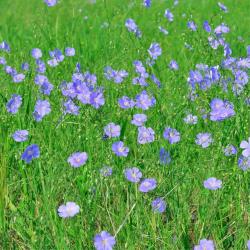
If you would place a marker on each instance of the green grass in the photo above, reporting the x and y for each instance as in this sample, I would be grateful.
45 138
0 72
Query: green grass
30 194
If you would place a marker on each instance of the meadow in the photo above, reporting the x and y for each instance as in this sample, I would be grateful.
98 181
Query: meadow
94 66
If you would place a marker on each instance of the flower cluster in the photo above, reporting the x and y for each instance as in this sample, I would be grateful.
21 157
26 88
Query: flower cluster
81 90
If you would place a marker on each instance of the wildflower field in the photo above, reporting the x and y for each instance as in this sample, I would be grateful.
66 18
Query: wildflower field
124 124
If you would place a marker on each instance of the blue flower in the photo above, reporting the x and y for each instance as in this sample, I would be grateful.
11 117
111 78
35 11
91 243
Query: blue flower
248 244
156 80
132 27
223 7
50 3
159 205
144 101
221 110
133 174
112 130
30 153
97 99
145 135
230 150
70 107
70 209
165 157
10 71
173 65
41 66
104 241
155 50
192 26
244 162
191 119
221 29
20 135
5 46
126 103
78 159
139 119
14 104
106 171
18 78
212 183
36 53
42 108
204 139
70 52
169 15
246 146
2 61
147 185
205 244
25 66
172 135
119 149
162 30
207 27
147 3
